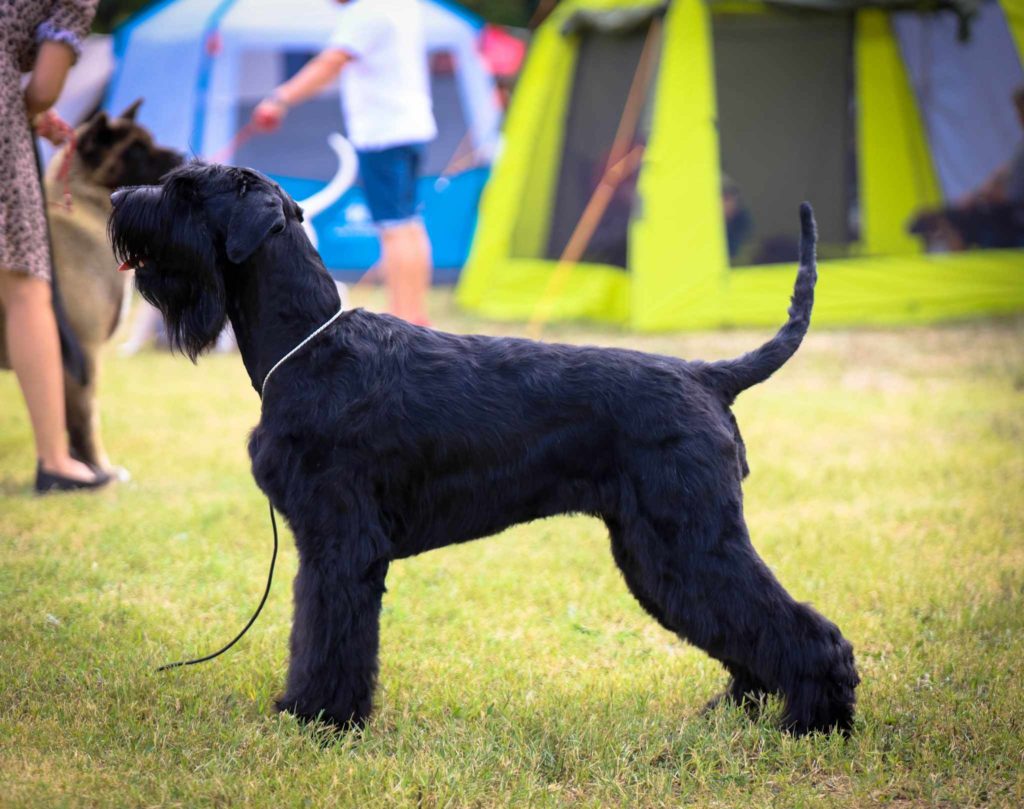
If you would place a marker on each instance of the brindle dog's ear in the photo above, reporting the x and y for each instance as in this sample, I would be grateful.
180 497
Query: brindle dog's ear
254 217
94 140
130 110
99 122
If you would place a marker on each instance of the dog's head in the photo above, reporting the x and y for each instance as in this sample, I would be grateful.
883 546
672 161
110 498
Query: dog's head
113 152
190 235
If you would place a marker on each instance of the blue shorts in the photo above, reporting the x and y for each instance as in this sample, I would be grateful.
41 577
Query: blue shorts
389 182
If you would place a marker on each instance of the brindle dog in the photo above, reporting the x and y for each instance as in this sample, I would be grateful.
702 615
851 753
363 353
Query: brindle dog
110 153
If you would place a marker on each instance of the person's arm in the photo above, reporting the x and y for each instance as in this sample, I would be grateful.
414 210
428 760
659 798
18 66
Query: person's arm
48 75
992 191
314 77
60 39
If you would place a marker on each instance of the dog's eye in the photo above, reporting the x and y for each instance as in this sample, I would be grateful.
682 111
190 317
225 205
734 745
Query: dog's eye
277 228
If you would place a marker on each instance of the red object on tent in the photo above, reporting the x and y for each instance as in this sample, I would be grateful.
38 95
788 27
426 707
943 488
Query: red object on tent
502 52
214 44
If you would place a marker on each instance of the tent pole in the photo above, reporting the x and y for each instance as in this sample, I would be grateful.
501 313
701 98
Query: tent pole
621 163
581 236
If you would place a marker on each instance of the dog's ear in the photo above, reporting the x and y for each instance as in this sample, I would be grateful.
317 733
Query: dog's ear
255 216
98 123
131 110
95 140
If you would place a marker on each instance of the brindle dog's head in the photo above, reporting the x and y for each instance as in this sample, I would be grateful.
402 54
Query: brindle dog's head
115 152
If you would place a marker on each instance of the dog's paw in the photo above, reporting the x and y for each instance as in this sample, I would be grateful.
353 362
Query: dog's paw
819 706
340 721
750 698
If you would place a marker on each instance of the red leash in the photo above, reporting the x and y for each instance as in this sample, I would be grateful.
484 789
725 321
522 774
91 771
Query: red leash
64 173
243 135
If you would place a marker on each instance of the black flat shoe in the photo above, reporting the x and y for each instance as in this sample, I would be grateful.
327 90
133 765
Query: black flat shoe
50 482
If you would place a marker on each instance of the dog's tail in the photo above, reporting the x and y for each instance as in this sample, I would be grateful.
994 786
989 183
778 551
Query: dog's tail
731 377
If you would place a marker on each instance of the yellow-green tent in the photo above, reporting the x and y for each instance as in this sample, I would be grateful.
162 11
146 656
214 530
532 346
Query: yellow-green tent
823 104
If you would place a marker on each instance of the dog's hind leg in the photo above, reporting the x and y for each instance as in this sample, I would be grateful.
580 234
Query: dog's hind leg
712 589
338 590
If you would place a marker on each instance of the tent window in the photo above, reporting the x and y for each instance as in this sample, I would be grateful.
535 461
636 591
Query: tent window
964 91
300 149
784 88
605 66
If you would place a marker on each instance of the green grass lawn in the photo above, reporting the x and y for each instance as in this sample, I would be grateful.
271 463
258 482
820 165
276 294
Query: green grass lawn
887 487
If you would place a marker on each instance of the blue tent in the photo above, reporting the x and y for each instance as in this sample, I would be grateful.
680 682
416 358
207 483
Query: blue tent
202 65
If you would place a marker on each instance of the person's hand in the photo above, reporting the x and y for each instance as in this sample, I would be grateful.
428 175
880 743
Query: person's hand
51 126
268 115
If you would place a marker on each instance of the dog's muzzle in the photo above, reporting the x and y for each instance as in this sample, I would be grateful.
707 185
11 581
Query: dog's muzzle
116 198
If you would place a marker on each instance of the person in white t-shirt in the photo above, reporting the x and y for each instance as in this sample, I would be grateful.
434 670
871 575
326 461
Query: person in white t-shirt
378 49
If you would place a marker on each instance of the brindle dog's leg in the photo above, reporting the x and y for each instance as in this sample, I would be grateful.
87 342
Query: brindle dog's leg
83 417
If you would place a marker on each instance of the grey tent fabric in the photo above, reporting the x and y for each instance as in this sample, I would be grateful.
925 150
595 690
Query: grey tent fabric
964 91
785 126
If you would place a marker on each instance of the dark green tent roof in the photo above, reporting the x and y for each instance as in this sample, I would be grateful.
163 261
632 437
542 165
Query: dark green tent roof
964 9
625 19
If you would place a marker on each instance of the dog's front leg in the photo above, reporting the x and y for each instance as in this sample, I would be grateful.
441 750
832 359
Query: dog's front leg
334 641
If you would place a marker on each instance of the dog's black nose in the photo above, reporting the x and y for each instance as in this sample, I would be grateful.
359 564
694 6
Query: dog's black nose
117 195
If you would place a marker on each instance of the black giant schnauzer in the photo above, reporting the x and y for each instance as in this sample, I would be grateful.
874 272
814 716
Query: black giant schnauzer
380 440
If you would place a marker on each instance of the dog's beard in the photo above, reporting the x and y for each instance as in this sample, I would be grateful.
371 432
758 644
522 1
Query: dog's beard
169 245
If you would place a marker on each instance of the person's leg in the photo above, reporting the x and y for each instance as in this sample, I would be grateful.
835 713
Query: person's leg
34 351
406 266
389 181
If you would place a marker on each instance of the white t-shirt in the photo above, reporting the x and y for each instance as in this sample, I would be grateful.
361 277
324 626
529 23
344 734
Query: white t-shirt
385 89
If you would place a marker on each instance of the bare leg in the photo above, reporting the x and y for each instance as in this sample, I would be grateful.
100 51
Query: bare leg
34 351
406 264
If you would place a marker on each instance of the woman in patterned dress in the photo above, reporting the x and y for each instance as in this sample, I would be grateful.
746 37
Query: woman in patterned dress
44 37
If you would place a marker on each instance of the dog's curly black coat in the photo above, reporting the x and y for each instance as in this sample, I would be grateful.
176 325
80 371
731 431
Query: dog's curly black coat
381 440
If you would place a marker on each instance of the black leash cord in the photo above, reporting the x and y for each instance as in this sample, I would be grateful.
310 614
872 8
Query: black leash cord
255 615
273 522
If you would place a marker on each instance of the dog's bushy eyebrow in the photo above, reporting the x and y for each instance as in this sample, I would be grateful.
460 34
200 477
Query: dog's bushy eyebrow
185 181
252 179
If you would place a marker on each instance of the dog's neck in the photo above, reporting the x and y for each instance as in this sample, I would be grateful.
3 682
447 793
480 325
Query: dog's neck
277 299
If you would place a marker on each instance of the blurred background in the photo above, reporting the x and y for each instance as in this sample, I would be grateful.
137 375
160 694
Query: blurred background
896 118
623 173
503 12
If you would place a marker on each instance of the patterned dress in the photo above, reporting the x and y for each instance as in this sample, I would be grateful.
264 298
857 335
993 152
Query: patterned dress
23 25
